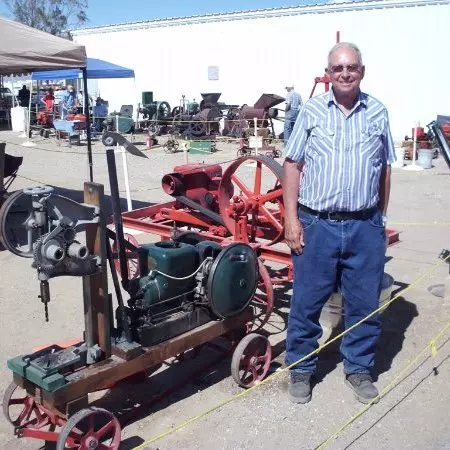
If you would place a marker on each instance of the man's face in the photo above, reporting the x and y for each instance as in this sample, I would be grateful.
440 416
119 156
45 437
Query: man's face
345 71
70 88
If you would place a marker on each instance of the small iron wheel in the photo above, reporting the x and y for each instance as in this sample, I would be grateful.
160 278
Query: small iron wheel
20 410
89 429
251 360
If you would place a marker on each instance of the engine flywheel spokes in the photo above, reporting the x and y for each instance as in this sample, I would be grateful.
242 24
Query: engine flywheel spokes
251 190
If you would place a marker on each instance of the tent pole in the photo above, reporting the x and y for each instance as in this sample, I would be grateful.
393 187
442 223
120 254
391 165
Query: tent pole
88 124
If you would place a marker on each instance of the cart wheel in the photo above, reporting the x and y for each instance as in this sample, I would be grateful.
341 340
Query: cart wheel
21 410
90 428
131 257
251 360
262 301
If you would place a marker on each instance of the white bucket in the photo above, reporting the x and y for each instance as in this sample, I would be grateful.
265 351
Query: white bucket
400 157
332 311
425 159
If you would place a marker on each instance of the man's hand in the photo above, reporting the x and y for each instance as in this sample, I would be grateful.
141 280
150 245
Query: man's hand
293 230
293 236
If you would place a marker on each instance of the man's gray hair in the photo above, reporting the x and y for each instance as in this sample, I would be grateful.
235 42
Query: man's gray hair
346 45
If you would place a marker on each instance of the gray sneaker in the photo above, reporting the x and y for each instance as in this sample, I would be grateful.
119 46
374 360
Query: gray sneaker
363 387
299 388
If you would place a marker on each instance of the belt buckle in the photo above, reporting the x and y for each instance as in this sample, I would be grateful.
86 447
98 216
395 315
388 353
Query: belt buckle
332 215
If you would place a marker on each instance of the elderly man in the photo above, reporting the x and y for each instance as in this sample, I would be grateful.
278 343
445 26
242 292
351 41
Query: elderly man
341 150
292 107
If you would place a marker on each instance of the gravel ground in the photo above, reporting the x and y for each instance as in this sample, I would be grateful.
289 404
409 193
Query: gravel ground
413 415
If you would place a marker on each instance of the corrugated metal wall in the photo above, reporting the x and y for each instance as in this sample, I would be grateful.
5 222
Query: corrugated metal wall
403 50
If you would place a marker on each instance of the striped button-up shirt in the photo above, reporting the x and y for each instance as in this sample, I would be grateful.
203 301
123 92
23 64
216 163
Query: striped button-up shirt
343 155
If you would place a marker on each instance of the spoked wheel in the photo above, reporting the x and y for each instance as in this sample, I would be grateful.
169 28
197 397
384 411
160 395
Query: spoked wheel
197 128
131 256
251 360
21 411
16 232
251 199
89 429
262 301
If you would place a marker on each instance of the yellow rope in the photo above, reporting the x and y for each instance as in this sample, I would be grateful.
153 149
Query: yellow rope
275 374
392 384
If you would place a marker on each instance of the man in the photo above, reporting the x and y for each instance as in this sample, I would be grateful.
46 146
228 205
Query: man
69 103
100 113
24 96
341 150
292 107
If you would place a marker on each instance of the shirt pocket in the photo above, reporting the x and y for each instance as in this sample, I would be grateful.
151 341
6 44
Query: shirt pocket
372 143
321 140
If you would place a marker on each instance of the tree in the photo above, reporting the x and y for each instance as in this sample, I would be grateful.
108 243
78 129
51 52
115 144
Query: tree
53 16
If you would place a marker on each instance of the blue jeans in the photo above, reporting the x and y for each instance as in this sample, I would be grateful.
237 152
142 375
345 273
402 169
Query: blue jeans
289 122
349 254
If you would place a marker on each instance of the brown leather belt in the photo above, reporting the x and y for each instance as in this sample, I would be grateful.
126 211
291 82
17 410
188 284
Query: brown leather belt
339 215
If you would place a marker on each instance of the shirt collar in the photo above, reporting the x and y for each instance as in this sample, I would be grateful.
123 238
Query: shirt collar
362 100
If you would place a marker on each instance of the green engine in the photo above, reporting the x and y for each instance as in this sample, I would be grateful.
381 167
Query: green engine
184 284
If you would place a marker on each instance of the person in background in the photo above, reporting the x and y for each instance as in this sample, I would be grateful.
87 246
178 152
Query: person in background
48 100
292 108
24 96
336 189
100 113
69 102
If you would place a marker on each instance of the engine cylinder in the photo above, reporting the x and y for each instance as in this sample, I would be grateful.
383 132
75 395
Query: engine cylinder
163 264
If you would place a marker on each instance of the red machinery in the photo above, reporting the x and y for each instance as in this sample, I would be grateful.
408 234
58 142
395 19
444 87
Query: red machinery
243 204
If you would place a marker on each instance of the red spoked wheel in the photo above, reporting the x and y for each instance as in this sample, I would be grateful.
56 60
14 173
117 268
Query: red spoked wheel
251 360
131 256
251 199
89 429
262 301
21 410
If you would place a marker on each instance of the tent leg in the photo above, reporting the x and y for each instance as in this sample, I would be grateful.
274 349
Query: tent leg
88 124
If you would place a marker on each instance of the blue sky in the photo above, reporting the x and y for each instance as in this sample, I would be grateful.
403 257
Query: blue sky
116 11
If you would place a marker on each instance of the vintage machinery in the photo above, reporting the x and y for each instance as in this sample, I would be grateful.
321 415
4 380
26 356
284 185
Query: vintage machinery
155 114
198 121
254 126
243 203
186 292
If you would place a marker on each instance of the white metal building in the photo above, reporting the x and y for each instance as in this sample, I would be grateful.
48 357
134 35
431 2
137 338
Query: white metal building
404 46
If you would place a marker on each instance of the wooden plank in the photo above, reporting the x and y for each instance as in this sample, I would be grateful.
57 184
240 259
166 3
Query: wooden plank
97 310
106 373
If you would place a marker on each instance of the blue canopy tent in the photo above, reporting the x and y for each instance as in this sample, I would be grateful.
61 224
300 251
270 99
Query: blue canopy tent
95 69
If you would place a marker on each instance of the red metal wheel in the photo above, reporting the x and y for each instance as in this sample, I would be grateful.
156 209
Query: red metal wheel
255 212
89 429
262 301
251 360
21 410
132 257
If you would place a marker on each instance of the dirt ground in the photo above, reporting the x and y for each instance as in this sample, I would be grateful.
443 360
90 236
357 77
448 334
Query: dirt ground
413 415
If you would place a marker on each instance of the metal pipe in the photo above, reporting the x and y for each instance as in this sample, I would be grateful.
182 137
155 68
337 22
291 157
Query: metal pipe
117 214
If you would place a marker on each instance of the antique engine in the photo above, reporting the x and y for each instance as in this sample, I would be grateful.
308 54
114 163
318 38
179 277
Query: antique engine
240 122
194 124
185 283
